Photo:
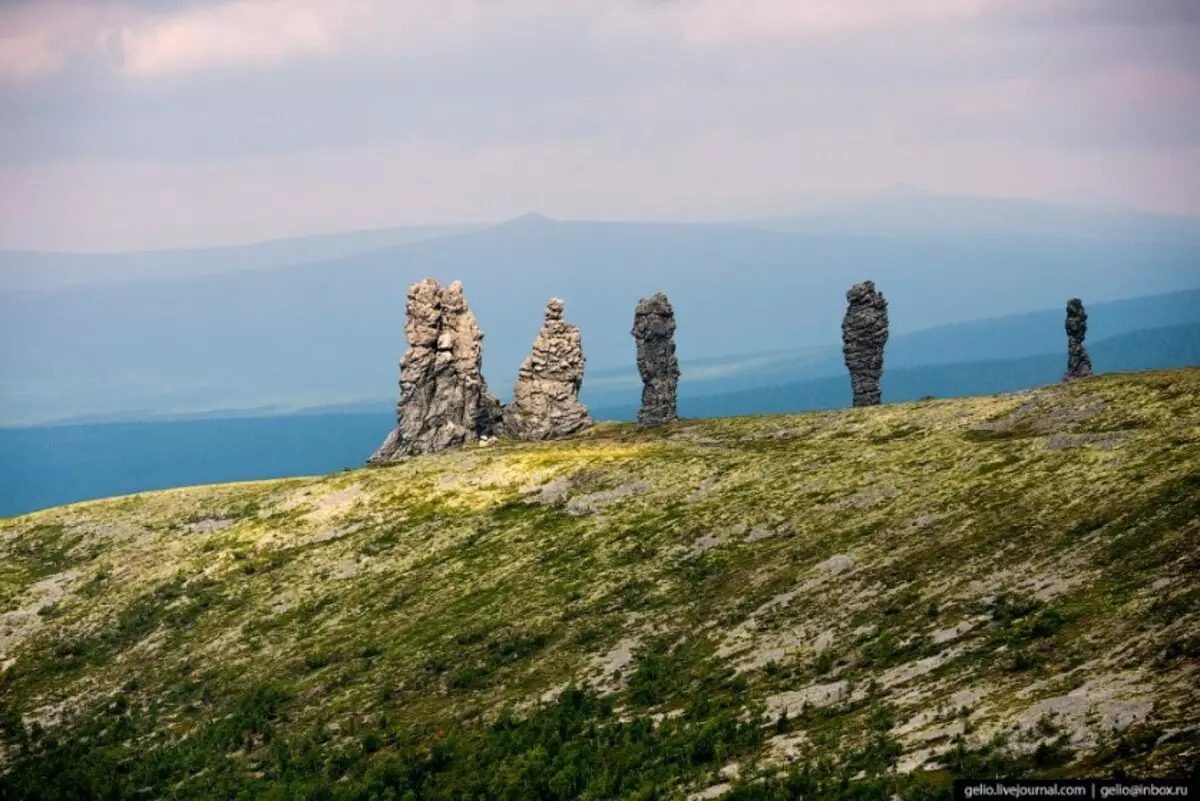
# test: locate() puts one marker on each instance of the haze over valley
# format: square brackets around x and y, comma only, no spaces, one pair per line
[295,332]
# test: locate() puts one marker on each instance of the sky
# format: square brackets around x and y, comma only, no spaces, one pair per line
[169,123]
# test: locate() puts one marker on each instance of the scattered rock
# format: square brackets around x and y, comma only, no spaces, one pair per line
[703,544]
[954,632]
[715,791]
[208,525]
[867,498]
[838,563]
[444,401]
[1079,364]
[1046,413]
[702,491]
[923,521]
[18,624]
[1101,705]
[864,335]
[586,504]
[816,695]
[554,491]
[911,761]
[607,672]
[654,330]
[1105,442]
[910,670]
[784,748]
[760,533]
[546,396]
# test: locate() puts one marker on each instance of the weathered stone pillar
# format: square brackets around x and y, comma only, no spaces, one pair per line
[864,335]
[444,400]
[654,330]
[1079,364]
[545,401]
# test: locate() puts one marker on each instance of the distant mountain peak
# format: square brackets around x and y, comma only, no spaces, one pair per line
[530,218]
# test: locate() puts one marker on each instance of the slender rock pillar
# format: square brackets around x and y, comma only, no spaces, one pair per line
[864,335]
[1079,364]
[654,330]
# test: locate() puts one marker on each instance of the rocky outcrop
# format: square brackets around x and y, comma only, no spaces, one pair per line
[546,396]
[864,335]
[444,400]
[1079,364]
[654,330]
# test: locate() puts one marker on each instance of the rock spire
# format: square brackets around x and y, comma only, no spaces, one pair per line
[864,335]
[444,400]
[654,330]
[1079,364]
[546,396]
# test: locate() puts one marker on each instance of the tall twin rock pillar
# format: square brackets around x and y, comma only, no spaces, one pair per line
[864,335]
[654,330]
[444,400]
[1079,364]
[546,396]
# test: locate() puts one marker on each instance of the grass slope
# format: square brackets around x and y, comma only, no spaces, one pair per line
[865,602]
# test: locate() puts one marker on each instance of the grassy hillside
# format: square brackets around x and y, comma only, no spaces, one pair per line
[865,601]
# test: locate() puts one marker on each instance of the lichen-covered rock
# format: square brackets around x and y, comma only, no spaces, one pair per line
[545,401]
[864,335]
[654,330]
[1079,364]
[444,400]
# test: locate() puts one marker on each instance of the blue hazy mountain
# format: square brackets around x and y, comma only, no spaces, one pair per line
[1037,333]
[906,212]
[39,270]
[1151,349]
[332,331]
[51,465]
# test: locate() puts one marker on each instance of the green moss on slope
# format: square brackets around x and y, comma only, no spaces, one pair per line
[868,601]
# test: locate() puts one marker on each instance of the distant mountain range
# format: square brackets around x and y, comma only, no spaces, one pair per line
[999,355]
[979,342]
[38,270]
[755,307]
[1151,349]
[900,211]
[906,212]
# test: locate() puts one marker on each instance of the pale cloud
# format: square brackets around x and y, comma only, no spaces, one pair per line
[234,34]
[704,22]
[710,176]
[139,123]
[26,56]
[254,33]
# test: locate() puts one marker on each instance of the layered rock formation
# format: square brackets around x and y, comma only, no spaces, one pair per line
[864,335]
[654,330]
[444,400]
[1079,364]
[546,396]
